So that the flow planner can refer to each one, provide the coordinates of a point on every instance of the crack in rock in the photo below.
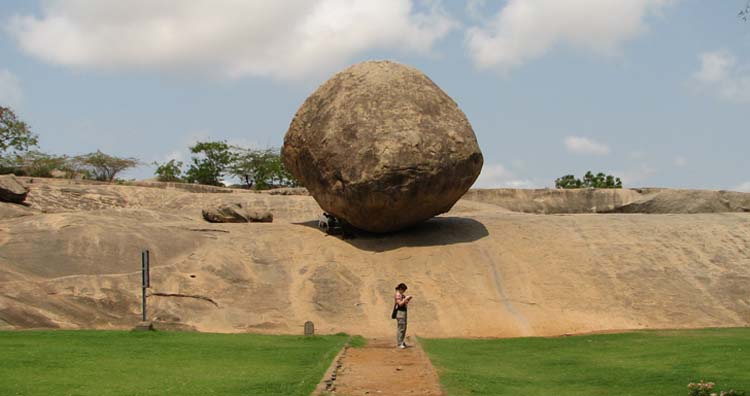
(199, 297)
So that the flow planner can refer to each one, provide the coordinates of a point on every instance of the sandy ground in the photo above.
(72, 260)
(381, 369)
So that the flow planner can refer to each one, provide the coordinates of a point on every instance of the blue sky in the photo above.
(654, 91)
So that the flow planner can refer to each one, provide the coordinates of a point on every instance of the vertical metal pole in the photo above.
(144, 279)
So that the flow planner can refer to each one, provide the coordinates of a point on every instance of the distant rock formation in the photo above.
(11, 189)
(288, 191)
(613, 200)
(382, 147)
(236, 213)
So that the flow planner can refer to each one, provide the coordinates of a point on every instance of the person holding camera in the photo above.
(401, 301)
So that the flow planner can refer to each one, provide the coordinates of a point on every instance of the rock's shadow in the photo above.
(433, 232)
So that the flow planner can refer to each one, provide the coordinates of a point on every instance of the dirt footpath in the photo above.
(382, 369)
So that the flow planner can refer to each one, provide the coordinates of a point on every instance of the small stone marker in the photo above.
(309, 328)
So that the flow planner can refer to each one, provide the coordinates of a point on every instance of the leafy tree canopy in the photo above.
(169, 171)
(600, 180)
(209, 163)
(14, 133)
(104, 167)
(260, 169)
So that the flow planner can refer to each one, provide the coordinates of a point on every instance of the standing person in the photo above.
(401, 300)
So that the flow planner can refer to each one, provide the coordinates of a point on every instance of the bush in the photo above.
(37, 164)
(706, 389)
(600, 180)
(169, 171)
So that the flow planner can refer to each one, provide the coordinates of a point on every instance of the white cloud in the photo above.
(10, 89)
(744, 187)
(582, 145)
(680, 161)
(527, 29)
(497, 176)
(234, 38)
(714, 66)
(720, 74)
(473, 9)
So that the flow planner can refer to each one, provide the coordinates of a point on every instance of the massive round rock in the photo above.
(382, 147)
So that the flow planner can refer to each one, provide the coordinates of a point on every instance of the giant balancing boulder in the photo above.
(382, 147)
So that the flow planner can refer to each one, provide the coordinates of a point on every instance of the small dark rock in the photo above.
(236, 213)
(11, 189)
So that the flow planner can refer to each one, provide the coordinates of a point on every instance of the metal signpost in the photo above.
(145, 278)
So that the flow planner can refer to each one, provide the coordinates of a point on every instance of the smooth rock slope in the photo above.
(480, 270)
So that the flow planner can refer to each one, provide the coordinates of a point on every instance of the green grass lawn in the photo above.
(642, 363)
(161, 363)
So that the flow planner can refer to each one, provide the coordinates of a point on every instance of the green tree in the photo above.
(169, 171)
(210, 162)
(568, 181)
(14, 133)
(745, 12)
(104, 167)
(285, 178)
(590, 180)
(260, 169)
(252, 167)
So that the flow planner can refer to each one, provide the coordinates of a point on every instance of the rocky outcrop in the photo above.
(625, 200)
(552, 201)
(11, 189)
(531, 274)
(288, 191)
(382, 147)
(236, 213)
(689, 201)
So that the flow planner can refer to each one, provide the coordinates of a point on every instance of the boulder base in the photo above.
(382, 147)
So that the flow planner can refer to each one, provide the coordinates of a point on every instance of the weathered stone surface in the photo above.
(10, 210)
(382, 147)
(236, 213)
(75, 266)
(11, 189)
(288, 191)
